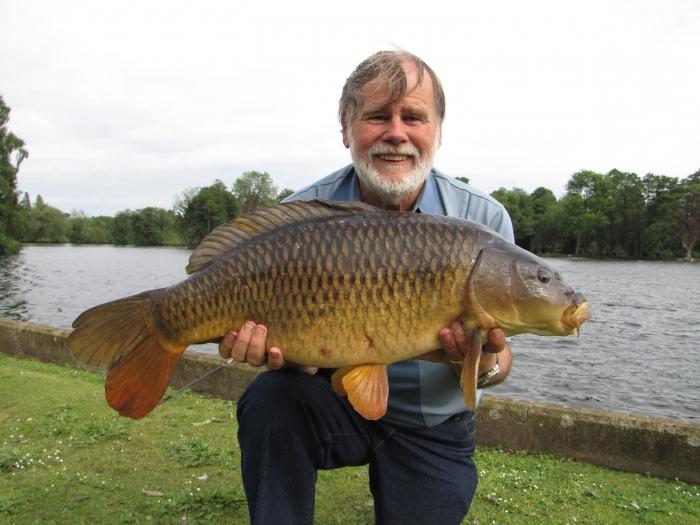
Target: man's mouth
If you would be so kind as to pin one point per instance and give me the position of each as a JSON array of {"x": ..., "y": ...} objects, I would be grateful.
[{"x": 392, "y": 158}]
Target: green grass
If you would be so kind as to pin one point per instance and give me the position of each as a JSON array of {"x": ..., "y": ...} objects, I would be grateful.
[{"x": 65, "y": 457}]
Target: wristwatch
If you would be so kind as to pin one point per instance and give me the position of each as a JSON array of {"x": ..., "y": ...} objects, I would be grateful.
[{"x": 485, "y": 378}]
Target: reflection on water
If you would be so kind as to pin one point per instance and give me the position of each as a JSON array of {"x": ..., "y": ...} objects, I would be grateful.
[{"x": 638, "y": 353}]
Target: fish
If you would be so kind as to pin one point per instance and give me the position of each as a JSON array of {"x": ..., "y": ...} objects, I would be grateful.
[{"x": 339, "y": 285}]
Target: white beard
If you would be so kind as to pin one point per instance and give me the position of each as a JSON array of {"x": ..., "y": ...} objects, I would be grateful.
[{"x": 392, "y": 190}]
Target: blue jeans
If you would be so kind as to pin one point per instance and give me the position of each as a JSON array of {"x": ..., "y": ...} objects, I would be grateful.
[{"x": 291, "y": 424}]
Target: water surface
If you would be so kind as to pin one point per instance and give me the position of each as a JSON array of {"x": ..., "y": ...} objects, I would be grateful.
[{"x": 639, "y": 353}]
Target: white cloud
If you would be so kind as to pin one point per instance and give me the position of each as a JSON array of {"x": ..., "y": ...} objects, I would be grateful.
[{"x": 126, "y": 104}]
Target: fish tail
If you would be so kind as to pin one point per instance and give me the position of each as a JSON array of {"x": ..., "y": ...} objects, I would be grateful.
[{"x": 122, "y": 337}]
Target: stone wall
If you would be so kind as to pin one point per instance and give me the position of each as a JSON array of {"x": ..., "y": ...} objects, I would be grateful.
[{"x": 661, "y": 447}]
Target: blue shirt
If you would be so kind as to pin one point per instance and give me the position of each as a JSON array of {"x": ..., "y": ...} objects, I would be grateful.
[{"x": 422, "y": 393}]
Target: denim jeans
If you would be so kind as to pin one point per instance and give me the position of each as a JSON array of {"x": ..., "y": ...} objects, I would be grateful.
[{"x": 291, "y": 424}]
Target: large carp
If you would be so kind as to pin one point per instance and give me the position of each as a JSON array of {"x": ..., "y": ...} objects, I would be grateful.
[{"x": 339, "y": 285}]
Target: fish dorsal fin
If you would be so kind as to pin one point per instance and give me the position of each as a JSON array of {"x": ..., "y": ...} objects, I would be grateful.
[{"x": 240, "y": 229}]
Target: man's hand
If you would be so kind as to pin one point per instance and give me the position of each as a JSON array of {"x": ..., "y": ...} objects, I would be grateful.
[
  {"x": 248, "y": 345},
  {"x": 455, "y": 345}
]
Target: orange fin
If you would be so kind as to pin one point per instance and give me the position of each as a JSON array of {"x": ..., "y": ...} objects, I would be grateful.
[
  {"x": 337, "y": 380},
  {"x": 136, "y": 384},
  {"x": 470, "y": 370},
  {"x": 121, "y": 336},
  {"x": 367, "y": 388}
]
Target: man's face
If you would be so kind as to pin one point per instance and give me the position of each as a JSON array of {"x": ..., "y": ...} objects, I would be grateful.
[{"x": 392, "y": 144}]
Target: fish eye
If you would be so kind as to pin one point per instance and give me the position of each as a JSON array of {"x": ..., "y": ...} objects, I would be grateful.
[{"x": 543, "y": 276}]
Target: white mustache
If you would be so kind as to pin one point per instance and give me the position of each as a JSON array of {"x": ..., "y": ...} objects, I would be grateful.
[{"x": 385, "y": 149}]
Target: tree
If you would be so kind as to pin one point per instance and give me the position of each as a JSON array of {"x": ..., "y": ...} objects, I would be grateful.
[
  {"x": 89, "y": 230},
  {"x": 519, "y": 205},
  {"x": 546, "y": 220},
  {"x": 153, "y": 227},
  {"x": 286, "y": 192},
  {"x": 625, "y": 215},
  {"x": 121, "y": 228},
  {"x": 660, "y": 237},
  {"x": 587, "y": 207},
  {"x": 689, "y": 213},
  {"x": 254, "y": 190},
  {"x": 204, "y": 209},
  {"x": 12, "y": 153},
  {"x": 46, "y": 224},
  {"x": 465, "y": 180}
]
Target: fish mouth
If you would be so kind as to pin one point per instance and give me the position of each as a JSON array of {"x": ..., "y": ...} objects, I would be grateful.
[{"x": 576, "y": 314}]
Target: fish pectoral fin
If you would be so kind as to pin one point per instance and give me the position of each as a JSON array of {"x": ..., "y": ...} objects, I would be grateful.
[
  {"x": 470, "y": 370},
  {"x": 136, "y": 384},
  {"x": 367, "y": 388}
]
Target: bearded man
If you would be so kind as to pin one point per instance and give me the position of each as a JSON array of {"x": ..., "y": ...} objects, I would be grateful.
[{"x": 291, "y": 422}]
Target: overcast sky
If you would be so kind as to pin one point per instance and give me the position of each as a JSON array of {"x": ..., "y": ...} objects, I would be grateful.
[{"x": 126, "y": 104}]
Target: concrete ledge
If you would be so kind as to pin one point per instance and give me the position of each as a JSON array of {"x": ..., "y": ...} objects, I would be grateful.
[
  {"x": 661, "y": 447},
  {"x": 48, "y": 344}
]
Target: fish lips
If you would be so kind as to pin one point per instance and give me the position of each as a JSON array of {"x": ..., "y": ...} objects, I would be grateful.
[{"x": 576, "y": 314}]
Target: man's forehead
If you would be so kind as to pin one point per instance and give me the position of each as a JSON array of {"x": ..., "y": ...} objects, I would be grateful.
[{"x": 376, "y": 94}]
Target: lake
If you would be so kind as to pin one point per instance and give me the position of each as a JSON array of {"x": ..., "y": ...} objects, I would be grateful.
[{"x": 639, "y": 353}]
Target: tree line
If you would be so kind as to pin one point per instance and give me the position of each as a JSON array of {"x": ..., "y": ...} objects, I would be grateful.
[
  {"x": 617, "y": 214},
  {"x": 196, "y": 212}
]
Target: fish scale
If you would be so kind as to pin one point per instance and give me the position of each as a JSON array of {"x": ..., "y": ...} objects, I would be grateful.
[
  {"x": 313, "y": 293},
  {"x": 340, "y": 285}
]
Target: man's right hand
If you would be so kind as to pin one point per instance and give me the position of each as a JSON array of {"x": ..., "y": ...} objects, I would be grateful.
[{"x": 248, "y": 345}]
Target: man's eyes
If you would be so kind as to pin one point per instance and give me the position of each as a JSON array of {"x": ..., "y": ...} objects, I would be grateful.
[{"x": 381, "y": 117}]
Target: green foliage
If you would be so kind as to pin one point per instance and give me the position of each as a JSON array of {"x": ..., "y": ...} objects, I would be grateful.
[
  {"x": 521, "y": 210},
  {"x": 659, "y": 238},
  {"x": 617, "y": 214},
  {"x": 12, "y": 153},
  {"x": 154, "y": 226},
  {"x": 145, "y": 227},
  {"x": 204, "y": 209},
  {"x": 545, "y": 238},
  {"x": 688, "y": 214},
  {"x": 90, "y": 230},
  {"x": 254, "y": 190},
  {"x": 286, "y": 192},
  {"x": 44, "y": 223}
]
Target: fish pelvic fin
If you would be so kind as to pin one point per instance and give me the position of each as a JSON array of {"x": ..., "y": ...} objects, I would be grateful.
[
  {"x": 367, "y": 388},
  {"x": 470, "y": 370},
  {"x": 121, "y": 336}
]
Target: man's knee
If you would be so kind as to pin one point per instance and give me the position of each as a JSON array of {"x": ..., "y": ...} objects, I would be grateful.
[{"x": 278, "y": 396}]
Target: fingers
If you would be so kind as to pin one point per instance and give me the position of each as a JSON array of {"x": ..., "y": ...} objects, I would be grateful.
[
  {"x": 496, "y": 341},
  {"x": 248, "y": 346},
  {"x": 275, "y": 359},
  {"x": 454, "y": 341},
  {"x": 226, "y": 344}
]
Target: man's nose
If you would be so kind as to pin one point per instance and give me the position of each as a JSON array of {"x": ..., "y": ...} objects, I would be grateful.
[{"x": 395, "y": 131}]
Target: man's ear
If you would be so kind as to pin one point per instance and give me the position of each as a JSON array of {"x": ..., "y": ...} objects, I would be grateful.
[{"x": 346, "y": 138}]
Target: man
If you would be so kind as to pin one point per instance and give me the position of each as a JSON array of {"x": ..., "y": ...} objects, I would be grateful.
[{"x": 291, "y": 422}]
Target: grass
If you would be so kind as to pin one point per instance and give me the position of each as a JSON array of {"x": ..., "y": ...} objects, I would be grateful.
[{"x": 65, "y": 457}]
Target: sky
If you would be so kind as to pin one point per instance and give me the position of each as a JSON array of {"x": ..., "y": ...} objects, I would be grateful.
[{"x": 127, "y": 104}]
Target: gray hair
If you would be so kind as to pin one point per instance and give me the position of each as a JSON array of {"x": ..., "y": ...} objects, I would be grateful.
[{"x": 387, "y": 66}]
